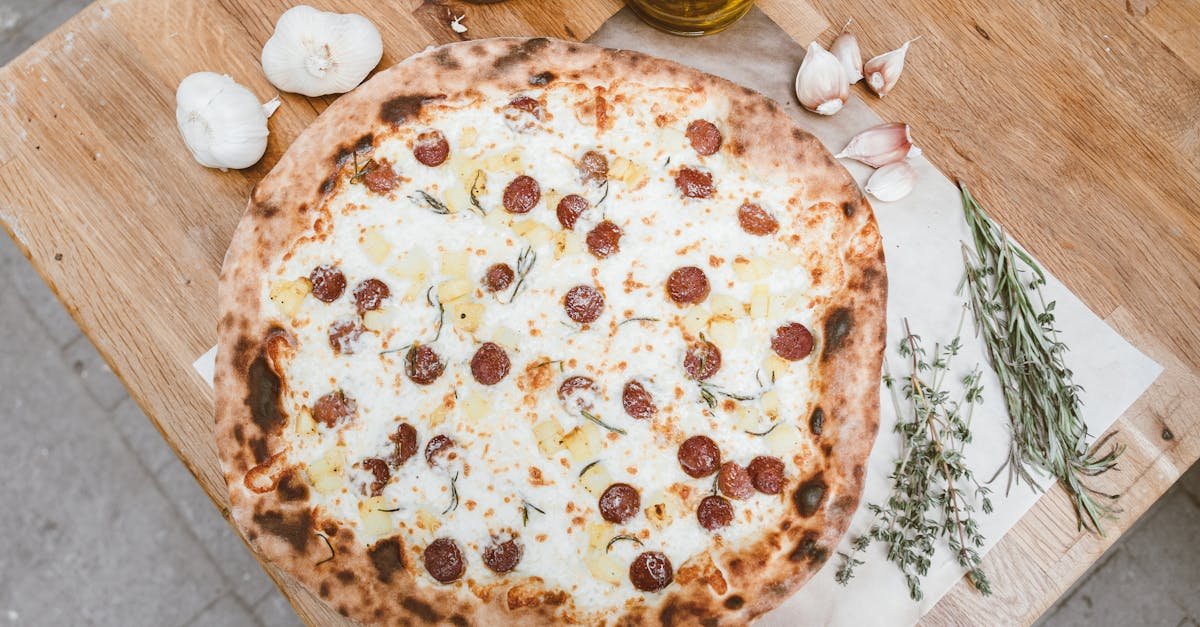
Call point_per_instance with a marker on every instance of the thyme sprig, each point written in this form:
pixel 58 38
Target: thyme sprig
pixel 453 495
pixel 525 262
pixel 525 507
pixel 1048 433
pixel 933 493
pixel 590 416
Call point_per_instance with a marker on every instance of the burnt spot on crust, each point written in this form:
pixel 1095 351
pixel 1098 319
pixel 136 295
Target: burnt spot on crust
pixel 328 185
pixel 324 590
pixel 810 495
pixel 837 329
pixel 683 613
pixel 295 527
pixel 400 108
pixel 263 393
pixel 423 610
pixel 266 209
pixel 292 487
pixel 541 79
pixel 734 602
pixel 848 209
pixel 345 576
pixel 239 434
pixel 343 154
pixel 816 421
pixel 258 447
pixel 521 52
pixel 807 550
pixel 446 60
pixel 387 556
pixel 458 620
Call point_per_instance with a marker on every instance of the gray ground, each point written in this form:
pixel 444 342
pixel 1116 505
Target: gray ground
pixel 105 526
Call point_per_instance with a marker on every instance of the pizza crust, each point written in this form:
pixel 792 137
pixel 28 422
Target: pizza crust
pixel 269 499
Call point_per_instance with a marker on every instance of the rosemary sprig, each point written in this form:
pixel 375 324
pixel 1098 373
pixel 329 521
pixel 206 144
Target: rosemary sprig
pixel 549 362
pixel 587 468
pixel 616 539
pixel 525 263
pixel 604 196
pixel 395 350
pixel 764 433
pixel 434 301
pixel 453 495
pixel 710 392
pixel 637 319
pixel 359 173
pixel 332 553
pixel 933 491
pixel 478 185
pixel 587 414
pixel 525 507
pixel 1017 325
pixel 429 202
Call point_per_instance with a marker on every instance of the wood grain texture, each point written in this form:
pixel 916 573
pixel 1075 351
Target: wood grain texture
pixel 1075 122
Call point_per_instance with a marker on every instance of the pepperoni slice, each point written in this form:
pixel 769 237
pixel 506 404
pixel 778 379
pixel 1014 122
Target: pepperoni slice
pixel 699 456
pixel 569 209
pixel 687 285
pixel 702 360
pixel 619 503
pixel 381 178
pixel 502 557
pixel 490 364
pixel 604 239
pixel 583 304
pixel 379 469
pixel 333 407
pixel 637 401
pixel 498 277
pixel 328 283
pixel 522 194
pixel 755 220
pixel 792 341
pixel 705 137
pixel 438 447
pixel 651 571
pixel 444 560
pixel 369 294
pixel 593 167
pixel 734 481
pixel 405 439
pixel 343 334
pixel 431 148
pixel 577 392
pixel 423 365
pixel 766 473
pixel 694 183
pixel 714 512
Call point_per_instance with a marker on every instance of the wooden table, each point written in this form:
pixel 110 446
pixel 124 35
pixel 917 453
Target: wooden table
pixel 1077 122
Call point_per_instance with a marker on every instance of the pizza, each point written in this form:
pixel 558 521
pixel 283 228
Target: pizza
pixel 532 331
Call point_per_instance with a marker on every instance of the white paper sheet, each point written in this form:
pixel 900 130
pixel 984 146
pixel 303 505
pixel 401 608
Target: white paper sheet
pixel 922 235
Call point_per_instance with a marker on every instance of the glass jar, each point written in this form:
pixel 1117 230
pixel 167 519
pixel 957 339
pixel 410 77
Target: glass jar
pixel 690 17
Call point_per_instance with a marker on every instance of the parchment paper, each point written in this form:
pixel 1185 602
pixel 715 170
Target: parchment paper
pixel 922 235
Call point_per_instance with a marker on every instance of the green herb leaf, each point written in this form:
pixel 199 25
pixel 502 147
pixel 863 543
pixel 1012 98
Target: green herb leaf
pixel 589 416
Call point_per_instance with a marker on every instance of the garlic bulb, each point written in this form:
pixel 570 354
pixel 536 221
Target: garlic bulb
pixel 221 121
pixel 892 182
pixel 821 82
pixel 881 145
pixel 883 71
pixel 845 48
pixel 315 53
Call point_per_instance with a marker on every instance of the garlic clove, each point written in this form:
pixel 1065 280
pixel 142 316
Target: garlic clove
pixel 881 145
pixel 845 48
pixel 222 123
pixel 892 182
pixel 457 26
pixel 883 71
pixel 270 106
pixel 316 53
pixel 821 82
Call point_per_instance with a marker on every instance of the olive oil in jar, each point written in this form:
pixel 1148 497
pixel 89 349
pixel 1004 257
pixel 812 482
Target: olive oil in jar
pixel 690 17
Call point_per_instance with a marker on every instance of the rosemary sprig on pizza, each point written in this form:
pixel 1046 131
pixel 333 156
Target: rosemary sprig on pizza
pixel 534 331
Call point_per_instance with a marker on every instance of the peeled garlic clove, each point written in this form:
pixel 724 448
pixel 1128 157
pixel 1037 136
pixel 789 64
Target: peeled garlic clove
pixel 821 82
pixel 883 71
pixel 881 145
pixel 845 48
pixel 892 182
pixel 316 53
pixel 222 123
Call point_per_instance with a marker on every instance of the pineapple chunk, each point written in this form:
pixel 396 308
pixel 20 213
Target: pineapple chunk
pixel 567 243
pixel 325 474
pixel 378 320
pixel 598 534
pixel 466 315
pixel 305 425
pixel 746 417
pixel 452 290
pixel 468 137
pixel 664 508
pixel 784 441
pixel 427 520
pixel 549 437
pixel 774 365
pixel 458 198
pixel 375 523
pixel 498 219
pixel 723 332
pixel 438 415
pixel 456 264
pixel 510 160
pixel 726 305
pixel 750 270
pixel 628 172
pixel 476 406
pixel 583 442
pixel 535 232
pixel 695 321
pixel 603 567
pixel 760 301
pixel 596 480
pixel 770 403
pixel 413 266
pixel 506 337
pixel 375 247
pixel 288 295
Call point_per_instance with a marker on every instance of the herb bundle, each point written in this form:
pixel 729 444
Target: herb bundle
pixel 933 492
pixel 1017 325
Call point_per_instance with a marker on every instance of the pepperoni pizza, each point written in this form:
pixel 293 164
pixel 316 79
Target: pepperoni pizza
pixel 534 331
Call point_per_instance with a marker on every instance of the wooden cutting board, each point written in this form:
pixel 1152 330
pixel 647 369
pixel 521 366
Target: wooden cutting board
pixel 1077 122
